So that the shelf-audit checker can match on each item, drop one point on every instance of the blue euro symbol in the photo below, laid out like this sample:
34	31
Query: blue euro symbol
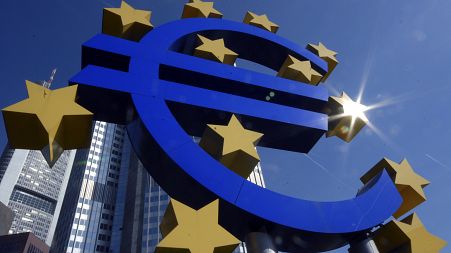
165	96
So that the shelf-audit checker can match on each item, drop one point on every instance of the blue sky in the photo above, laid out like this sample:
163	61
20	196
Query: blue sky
398	51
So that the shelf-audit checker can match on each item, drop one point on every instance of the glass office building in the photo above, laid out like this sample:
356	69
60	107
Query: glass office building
33	190
89	206
112	204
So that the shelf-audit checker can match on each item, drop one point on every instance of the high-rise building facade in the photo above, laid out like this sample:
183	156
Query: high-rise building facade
112	204
155	203
89	206
33	190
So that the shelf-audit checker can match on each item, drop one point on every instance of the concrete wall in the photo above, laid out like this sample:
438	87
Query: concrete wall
6	219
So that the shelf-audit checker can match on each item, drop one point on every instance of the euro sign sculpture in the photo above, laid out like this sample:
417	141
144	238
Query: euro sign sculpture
166	90
165	96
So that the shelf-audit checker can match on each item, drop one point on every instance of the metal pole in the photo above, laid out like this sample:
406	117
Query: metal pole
365	246
259	242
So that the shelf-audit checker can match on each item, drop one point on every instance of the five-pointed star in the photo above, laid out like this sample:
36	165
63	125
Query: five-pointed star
48	117
126	22
409	184
233	146
346	118
198	231
200	9
215	50
326	54
407	236
236	137
297	70
261	21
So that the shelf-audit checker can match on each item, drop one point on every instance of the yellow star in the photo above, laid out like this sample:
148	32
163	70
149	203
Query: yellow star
325	54
346	117
126	22
260	21
215	50
407	236
200	9
409	184
196	231
48	117
233	146
301	71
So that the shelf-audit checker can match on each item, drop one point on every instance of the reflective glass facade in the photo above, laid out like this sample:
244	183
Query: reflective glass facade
155	203
112	203
92	221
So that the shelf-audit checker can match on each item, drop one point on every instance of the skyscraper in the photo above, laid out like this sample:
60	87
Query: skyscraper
89	206
33	190
112	204
104	205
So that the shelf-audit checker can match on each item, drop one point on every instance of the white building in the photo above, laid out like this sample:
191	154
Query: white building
33	190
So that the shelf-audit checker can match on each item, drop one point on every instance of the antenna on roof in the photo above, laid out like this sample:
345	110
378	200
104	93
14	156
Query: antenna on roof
47	84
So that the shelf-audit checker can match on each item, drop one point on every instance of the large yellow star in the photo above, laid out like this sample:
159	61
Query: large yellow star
126	22
233	146
407	236
196	231
346	117
326	54
409	184
215	50
260	21
301	71
200	9
48	117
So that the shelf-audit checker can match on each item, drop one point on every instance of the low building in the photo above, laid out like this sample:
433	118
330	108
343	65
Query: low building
6	219
22	243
